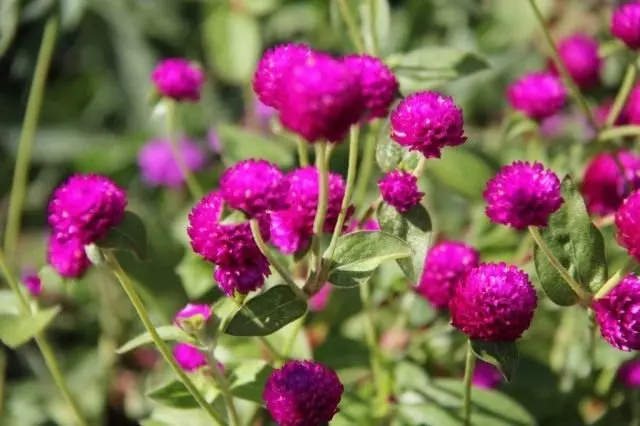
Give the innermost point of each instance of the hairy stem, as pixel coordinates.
(321, 212)
(303, 155)
(469, 366)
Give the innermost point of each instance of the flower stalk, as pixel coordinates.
(469, 366)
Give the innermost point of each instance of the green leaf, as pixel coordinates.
(232, 40)
(196, 275)
(577, 244)
(173, 394)
(9, 17)
(379, 27)
(130, 235)
(239, 144)
(168, 333)
(503, 355)
(414, 227)
(358, 254)
(391, 155)
(267, 313)
(15, 330)
(248, 380)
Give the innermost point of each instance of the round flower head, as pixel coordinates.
(178, 79)
(322, 99)
(158, 165)
(618, 314)
(537, 95)
(400, 189)
(445, 264)
(242, 279)
(632, 109)
(629, 374)
(320, 300)
(378, 83)
(302, 393)
(32, 283)
(269, 76)
(494, 303)
(427, 122)
(580, 56)
(625, 24)
(192, 317)
(605, 186)
(85, 208)
(486, 376)
(628, 223)
(254, 186)
(523, 194)
(67, 258)
(189, 357)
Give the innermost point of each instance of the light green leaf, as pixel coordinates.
(16, 330)
(9, 16)
(375, 27)
(248, 380)
(240, 144)
(168, 333)
(130, 235)
(173, 394)
(503, 355)
(196, 275)
(391, 155)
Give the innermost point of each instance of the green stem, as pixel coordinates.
(469, 366)
(618, 132)
(564, 74)
(223, 384)
(172, 126)
(367, 164)
(303, 155)
(128, 287)
(28, 133)
(321, 212)
(373, 14)
(46, 350)
(352, 25)
(422, 163)
(615, 279)
(623, 94)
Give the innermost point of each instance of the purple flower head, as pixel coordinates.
(192, 317)
(254, 186)
(537, 95)
(580, 56)
(268, 80)
(628, 223)
(400, 189)
(85, 208)
(486, 376)
(302, 393)
(629, 374)
(523, 194)
(242, 279)
(32, 282)
(445, 265)
(159, 167)
(618, 314)
(632, 108)
(368, 225)
(189, 357)
(320, 300)
(68, 258)
(378, 83)
(427, 122)
(494, 302)
(605, 186)
(321, 100)
(178, 79)
(625, 24)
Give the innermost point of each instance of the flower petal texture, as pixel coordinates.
(625, 25)
(178, 79)
(605, 186)
(400, 189)
(68, 258)
(618, 314)
(579, 53)
(189, 357)
(378, 83)
(537, 95)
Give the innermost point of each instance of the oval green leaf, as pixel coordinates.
(16, 330)
(130, 235)
(503, 355)
(168, 333)
(248, 380)
(173, 394)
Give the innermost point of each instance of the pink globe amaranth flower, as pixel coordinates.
(627, 220)
(268, 80)
(625, 24)
(486, 376)
(189, 357)
(378, 83)
(494, 303)
(68, 258)
(369, 225)
(605, 186)
(445, 264)
(242, 279)
(192, 317)
(427, 122)
(618, 314)
(32, 282)
(321, 100)
(580, 56)
(629, 374)
(254, 186)
(537, 95)
(178, 79)
(158, 165)
(632, 108)
(400, 189)
(523, 194)
(302, 393)
(320, 300)
(85, 208)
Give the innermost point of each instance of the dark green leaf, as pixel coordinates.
(267, 313)
(503, 355)
(358, 254)
(196, 275)
(248, 379)
(130, 235)
(577, 244)
(240, 144)
(173, 394)
(414, 227)
(16, 330)
(168, 333)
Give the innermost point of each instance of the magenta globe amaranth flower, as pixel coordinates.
(193, 317)
(302, 393)
(625, 24)
(320, 300)
(629, 374)
(242, 279)
(537, 95)
(486, 376)
(68, 258)
(189, 357)
(627, 220)
(445, 264)
(523, 194)
(494, 303)
(400, 190)
(427, 122)
(85, 208)
(605, 186)
(178, 79)
(618, 314)
(378, 83)
(32, 283)
(254, 186)
(158, 165)
(632, 109)
(579, 53)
